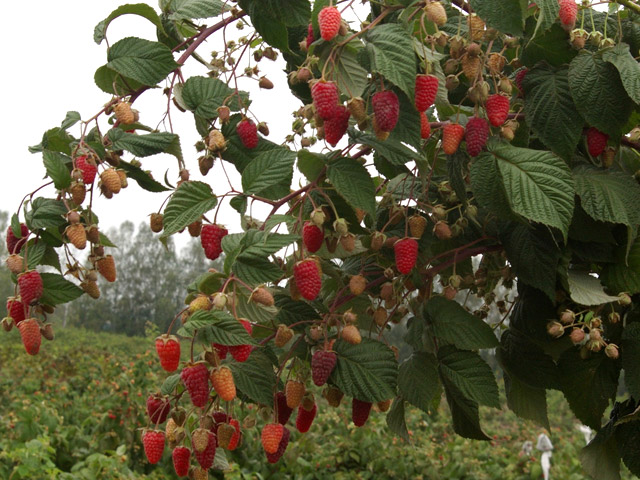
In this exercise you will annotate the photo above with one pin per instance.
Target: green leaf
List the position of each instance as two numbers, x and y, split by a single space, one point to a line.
141 177
453 324
537 184
216 327
489 193
310 164
292 311
549 47
193 9
387 46
70 120
58 290
147 144
601 458
256 271
269 174
628 69
366 371
469 374
353 183
546 16
457 165
587 290
203 96
141 9
351 78
45 213
56 140
272 30
105 78
255 378
396 421
503 15
464 413
608 196
628 439
418 381
391 149
598 92
527 402
170 383
236 153
189 202
550 110
57 168
142 60
630 346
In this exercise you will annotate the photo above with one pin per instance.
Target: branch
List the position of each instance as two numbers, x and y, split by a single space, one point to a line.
629 4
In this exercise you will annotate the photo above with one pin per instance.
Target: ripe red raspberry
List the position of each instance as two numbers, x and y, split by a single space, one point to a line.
14 244
88 169
322 364
153 442
336 126
283 412
452 134
181 461
308 278
240 353
312 237
168 349
158 408
360 412
310 37
221 349
329 20
520 78
406 253
497 107
305 417
31 336
205 458
248 133
386 108
196 380
211 239
425 126
223 384
568 13
426 91
596 141
30 286
325 98
271 436
282 446
476 135
16 310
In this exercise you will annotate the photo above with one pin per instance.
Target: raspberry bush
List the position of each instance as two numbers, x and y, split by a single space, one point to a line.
504 217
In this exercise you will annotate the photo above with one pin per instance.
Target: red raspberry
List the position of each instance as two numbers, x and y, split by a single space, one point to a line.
234 441
452 134
497 107
16 310
181 461
360 412
426 91
88 169
305 418
310 37
158 408
211 239
325 98
386 108
240 353
248 133
221 349
308 278
30 286
406 252
196 379
476 135
520 78
322 364
168 349
336 126
568 13
153 442
425 126
282 446
596 141
283 412
31 336
205 458
312 237
271 436
329 20
14 245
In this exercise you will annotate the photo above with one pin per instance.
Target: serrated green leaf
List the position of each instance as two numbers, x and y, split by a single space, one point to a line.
630 346
503 15
418 380
600 458
550 110
45 213
546 16
489 193
598 92
628 68
203 95
255 377
140 9
391 150
550 47
189 202
36 252
628 439
310 164
354 184
216 327
170 383
587 290
258 313
396 421
453 324
351 78
367 371
105 78
70 120
273 30
527 402
256 271
57 169
141 177
269 174
142 60
387 46
147 144
57 290
292 311
193 9
464 413
55 139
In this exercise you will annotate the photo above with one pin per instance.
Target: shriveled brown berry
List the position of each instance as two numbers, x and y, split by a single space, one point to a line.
442 230
377 241
155 222
195 228
91 288
283 335
333 396
78 192
348 242
263 296
357 284
351 334
380 316
417 225
123 112
15 263
216 141
294 391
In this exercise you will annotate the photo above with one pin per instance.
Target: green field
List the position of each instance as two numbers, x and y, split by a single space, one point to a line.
72 412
